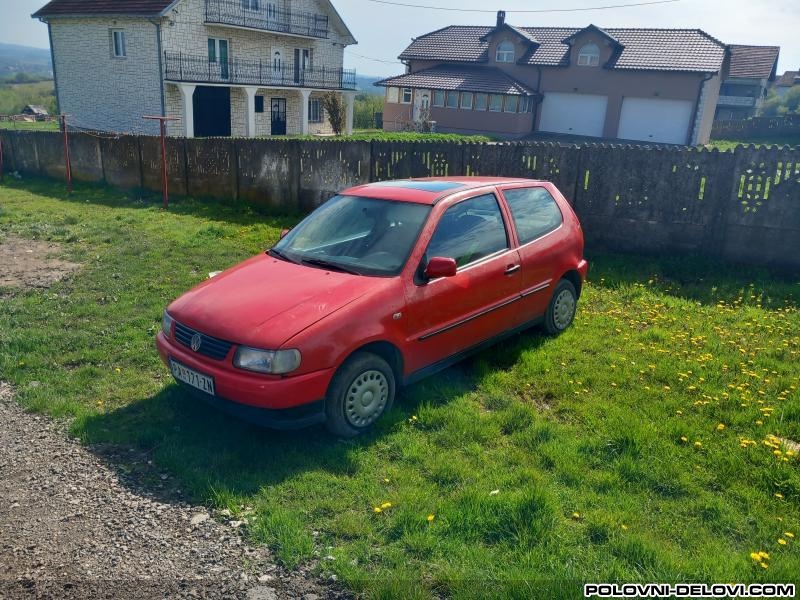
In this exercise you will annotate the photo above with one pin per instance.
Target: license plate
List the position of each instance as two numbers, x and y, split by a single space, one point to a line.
197 380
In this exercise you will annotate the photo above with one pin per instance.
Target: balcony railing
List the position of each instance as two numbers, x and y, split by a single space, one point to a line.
744 101
198 69
260 14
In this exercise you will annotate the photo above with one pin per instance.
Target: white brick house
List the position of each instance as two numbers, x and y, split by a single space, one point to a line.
244 68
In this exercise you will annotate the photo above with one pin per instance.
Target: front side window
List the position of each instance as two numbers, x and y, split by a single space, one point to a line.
534 211
589 55
250 4
466 100
495 102
392 95
438 98
367 236
469 231
406 95
118 43
481 101
505 52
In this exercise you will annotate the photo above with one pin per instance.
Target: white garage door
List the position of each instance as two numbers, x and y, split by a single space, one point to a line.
655 120
578 114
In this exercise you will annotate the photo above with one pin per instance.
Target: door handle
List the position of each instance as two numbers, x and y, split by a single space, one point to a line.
511 269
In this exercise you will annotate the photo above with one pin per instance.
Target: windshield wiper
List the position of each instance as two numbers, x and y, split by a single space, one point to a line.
278 254
319 262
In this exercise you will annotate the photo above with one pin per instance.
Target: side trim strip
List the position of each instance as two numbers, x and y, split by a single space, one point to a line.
538 288
468 319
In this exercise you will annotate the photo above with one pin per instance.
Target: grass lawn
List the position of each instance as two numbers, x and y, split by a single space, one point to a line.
641 445
31 126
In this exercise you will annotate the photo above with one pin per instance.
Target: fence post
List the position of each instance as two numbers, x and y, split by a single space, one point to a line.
67 165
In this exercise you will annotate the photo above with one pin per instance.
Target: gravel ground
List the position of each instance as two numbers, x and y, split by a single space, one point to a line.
81 524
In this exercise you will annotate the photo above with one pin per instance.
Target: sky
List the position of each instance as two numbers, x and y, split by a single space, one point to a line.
383 30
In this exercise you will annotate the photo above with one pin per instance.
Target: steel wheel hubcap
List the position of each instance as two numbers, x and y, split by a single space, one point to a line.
366 398
563 309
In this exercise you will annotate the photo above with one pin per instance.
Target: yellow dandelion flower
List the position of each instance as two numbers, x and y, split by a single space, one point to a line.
576 515
377 509
782 541
721 426
788 534
385 480
763 555
386 505
779 495
759 422
624 527
755 556
431 517
678 412
764 565
684 438
698 444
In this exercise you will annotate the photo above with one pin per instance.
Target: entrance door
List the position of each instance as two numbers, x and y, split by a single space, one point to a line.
422 105
278 116
302 62
212 111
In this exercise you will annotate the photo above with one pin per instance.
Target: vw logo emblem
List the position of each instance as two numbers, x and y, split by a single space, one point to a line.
196 341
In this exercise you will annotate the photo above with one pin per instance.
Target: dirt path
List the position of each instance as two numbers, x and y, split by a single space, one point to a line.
80 524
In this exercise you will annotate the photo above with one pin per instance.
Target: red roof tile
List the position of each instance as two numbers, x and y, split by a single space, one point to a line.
462 78
56 8
753 62
788 79
642 49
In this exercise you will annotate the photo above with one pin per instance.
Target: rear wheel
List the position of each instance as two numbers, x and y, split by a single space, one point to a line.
360 393
561 310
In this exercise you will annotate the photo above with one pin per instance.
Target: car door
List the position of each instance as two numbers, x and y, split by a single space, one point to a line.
451 314
538 222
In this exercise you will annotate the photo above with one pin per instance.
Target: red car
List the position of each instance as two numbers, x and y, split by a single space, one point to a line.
380 286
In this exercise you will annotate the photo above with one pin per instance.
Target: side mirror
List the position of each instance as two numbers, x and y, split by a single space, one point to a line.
439 266
284 233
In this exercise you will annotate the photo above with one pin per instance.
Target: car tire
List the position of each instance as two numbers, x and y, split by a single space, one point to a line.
561 310
361 391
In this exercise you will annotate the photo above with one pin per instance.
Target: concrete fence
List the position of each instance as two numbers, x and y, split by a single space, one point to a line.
741 206
754 127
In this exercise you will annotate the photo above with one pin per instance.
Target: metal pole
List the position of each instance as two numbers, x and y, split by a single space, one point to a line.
164 182
1 160
67 164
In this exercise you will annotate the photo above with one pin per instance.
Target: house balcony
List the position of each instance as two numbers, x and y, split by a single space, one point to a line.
265 16
737 101
189 68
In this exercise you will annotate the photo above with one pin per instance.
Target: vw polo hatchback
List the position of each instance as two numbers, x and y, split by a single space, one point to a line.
380 286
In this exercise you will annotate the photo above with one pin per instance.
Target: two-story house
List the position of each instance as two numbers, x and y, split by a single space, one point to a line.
746 82
222 67
652 85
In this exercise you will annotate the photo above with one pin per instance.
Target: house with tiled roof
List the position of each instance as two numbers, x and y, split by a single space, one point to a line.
650 85
220 67
785 82
747 79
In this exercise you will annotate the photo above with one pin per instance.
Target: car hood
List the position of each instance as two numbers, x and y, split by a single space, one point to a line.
264 301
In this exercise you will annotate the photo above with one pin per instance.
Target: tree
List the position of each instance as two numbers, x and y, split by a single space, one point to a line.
775 105
335 109
366 106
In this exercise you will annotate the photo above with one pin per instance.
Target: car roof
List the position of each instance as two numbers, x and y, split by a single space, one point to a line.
426 190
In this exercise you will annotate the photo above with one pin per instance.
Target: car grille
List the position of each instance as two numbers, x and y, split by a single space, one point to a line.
209 346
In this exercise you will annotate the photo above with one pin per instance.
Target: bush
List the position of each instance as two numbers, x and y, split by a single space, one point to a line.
334 107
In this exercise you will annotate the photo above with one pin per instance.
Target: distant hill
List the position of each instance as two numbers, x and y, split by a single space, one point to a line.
365 83
24 59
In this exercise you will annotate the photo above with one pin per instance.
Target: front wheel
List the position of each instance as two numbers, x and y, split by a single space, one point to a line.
361 391
561 310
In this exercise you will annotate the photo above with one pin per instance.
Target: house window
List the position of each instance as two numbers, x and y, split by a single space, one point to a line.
512 103
495 102
391 95
505 52
525 104
250 4
481 100
406 95
314 110
438 98
259 104
118 43
452 99
466 100
589 55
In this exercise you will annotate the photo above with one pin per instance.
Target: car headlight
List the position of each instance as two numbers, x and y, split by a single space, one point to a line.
166 324
276 362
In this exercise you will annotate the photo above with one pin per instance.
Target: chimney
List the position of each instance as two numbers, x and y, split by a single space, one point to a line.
501 17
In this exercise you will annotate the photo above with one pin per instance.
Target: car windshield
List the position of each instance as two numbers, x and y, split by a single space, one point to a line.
366 236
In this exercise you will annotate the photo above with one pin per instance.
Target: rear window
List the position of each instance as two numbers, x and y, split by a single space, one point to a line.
534 211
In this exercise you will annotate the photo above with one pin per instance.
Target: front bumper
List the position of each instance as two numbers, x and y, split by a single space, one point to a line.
272 400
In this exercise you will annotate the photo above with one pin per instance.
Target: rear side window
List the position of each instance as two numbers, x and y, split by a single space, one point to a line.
469 231
535 212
